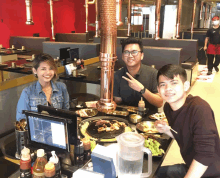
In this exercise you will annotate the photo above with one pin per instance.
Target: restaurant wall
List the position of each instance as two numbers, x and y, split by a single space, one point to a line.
186 17
69 15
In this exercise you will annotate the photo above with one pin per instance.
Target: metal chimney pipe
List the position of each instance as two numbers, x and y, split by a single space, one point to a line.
157 20
51 17
29 12
129 17
210 12
179 12
118 12
205 15
201 9
107 54
193 17
87 2
96 19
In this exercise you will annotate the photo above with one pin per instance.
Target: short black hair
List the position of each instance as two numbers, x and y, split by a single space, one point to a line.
171 70
132 40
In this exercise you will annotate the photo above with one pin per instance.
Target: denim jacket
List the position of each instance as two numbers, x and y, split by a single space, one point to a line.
33 95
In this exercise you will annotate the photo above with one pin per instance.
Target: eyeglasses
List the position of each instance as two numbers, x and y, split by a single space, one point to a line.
133 53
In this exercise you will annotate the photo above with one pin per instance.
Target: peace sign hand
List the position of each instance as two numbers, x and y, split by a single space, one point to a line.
133 83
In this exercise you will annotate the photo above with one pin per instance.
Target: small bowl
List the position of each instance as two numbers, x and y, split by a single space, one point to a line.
135 118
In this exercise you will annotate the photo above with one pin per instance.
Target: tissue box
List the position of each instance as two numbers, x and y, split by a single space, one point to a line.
102 163
85 173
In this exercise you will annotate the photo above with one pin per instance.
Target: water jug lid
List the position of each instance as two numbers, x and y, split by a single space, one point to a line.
131 139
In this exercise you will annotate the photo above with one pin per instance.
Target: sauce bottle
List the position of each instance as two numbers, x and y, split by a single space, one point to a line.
79 153
87 148
25 163
49 170
38 168
55 160
141 105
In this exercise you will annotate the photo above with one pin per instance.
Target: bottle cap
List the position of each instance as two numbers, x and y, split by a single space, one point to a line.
40 153
25 154
49 166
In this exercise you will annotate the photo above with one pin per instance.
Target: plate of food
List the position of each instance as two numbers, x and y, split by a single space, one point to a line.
87 112
157 116
147 127
118 113
155 146
104 128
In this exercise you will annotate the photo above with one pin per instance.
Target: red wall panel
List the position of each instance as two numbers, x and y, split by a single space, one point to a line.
69 15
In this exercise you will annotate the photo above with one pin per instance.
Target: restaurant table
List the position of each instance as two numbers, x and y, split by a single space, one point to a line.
10 148
156 161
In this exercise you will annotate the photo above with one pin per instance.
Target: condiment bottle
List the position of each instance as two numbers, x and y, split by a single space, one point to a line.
87 148
38 167
79 153
75 68
49 170
141 105
25 163
55 160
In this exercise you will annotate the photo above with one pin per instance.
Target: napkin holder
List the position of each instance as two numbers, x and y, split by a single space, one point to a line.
103 163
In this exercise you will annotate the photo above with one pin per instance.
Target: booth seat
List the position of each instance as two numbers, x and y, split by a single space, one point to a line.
200 36
72 37
86 50
34 44
119 40
189 47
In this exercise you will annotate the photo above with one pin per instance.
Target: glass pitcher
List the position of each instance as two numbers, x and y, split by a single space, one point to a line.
130 156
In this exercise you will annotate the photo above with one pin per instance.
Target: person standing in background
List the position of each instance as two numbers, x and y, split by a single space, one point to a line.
213 49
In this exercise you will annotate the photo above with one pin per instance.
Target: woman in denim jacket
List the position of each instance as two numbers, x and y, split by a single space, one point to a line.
45 91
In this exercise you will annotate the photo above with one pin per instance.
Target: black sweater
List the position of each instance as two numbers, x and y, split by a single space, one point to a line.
197 136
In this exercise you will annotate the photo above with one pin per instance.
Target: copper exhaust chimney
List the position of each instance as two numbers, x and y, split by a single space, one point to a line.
210 12
205 15
178 18
29 12
107 54
193 17
51 17
118 12
157 20
201 9
87 2
129 17
96 18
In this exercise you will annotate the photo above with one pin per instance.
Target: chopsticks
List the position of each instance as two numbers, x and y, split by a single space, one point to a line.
168 125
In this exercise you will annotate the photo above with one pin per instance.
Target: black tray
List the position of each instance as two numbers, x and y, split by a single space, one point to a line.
3 65
78 76
15 68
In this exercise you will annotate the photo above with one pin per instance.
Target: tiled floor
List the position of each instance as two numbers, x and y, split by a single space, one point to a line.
209 92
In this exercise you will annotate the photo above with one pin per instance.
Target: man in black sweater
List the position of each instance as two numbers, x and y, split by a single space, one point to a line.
193 120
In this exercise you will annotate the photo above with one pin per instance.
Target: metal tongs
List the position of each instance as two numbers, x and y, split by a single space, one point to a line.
168 125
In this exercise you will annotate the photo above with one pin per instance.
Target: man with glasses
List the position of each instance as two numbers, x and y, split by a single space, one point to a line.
136 80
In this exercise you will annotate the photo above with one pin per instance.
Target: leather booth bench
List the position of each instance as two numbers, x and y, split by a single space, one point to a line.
200 36
34 44
72 37
86 50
